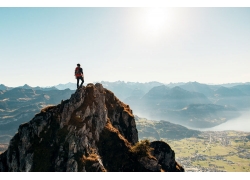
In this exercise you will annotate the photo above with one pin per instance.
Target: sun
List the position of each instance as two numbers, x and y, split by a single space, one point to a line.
155 17
156 20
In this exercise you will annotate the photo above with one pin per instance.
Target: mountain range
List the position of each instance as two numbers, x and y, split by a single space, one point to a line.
151 129
190 104
92 131
18 105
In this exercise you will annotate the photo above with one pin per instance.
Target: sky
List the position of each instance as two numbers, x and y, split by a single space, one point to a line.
41 45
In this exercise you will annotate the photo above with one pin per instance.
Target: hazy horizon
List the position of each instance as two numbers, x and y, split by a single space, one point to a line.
40 46
85 83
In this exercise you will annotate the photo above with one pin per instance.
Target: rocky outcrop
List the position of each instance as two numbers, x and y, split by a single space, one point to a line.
92 131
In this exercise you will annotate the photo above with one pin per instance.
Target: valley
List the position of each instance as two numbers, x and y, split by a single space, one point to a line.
206 151
227 151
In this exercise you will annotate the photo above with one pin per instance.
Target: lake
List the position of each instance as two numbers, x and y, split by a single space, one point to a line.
241 123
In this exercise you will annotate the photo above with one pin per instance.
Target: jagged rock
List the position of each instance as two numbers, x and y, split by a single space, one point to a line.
165 156
92 131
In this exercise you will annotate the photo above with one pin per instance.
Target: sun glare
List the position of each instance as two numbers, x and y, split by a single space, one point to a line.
156 20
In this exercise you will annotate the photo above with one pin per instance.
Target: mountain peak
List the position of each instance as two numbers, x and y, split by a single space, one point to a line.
26 86
91 131
3 87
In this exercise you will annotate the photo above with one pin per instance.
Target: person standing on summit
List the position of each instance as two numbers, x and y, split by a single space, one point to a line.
79 75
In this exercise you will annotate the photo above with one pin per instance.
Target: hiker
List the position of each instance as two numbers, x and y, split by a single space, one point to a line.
79 75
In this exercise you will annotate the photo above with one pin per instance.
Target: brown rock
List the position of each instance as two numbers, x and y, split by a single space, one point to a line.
92 131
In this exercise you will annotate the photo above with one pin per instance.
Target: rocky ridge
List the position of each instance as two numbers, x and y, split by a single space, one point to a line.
91 131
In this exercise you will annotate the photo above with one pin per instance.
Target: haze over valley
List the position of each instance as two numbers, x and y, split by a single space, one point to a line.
192 104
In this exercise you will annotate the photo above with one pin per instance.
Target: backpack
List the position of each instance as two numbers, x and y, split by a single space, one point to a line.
78 72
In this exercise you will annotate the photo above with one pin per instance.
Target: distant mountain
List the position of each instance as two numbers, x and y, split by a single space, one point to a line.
3 87
168 98
197 87
156 130
18 105
45 88
196 115
120 88
228 92
243 88
202 115
180 106
171 85
26 86
124 90
71 86
234 97
189 103
229 85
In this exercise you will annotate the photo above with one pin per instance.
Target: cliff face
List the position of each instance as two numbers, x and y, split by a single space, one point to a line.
92 131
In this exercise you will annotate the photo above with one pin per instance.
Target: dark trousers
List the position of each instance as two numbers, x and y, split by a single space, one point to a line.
82 81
